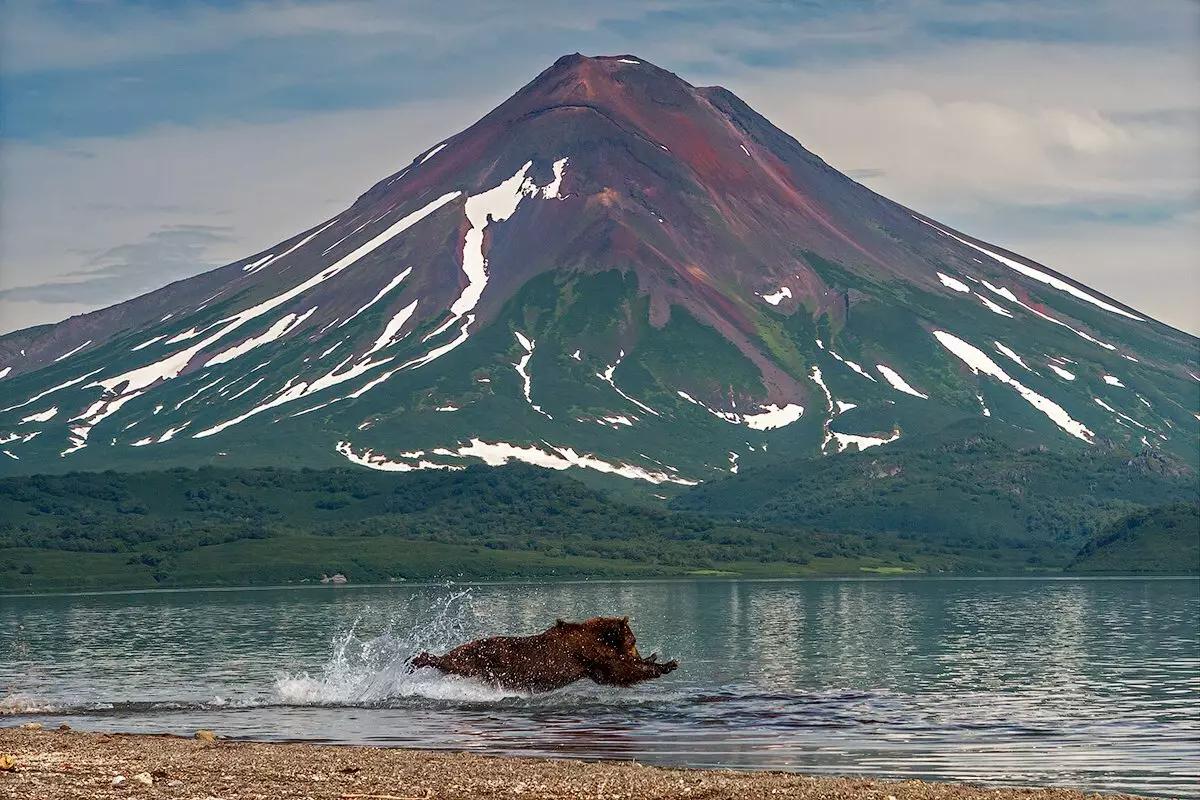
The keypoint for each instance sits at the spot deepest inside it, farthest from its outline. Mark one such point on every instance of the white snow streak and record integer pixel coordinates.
(369, 458)
(978, 362)
(1012, 355)
(1112, 380)
(522, 368)
(44, 416)
(391, 331)
(898, 383)
(857, 368)
(171, 366)
(256, 265)
(379, 295)
(170, 434)
(72, 352)
(769, 418)
(994, 307)
(51, 390)
(432, 153)
(1038, 275)
(494, 205)
(1008, 295)
(607, 377)
(146, 344)
(281, 328)
(498, 453)
(1062, 373)
(953, 283)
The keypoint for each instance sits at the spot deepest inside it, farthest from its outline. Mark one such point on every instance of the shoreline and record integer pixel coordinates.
(1048, 575)
(53, 764)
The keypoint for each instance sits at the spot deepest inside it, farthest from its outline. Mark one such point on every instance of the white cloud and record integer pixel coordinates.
(72, 213)
(983, 134)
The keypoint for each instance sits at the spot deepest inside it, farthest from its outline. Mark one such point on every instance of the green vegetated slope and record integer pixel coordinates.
(237, 527)
(1164, 540)
(975, 490)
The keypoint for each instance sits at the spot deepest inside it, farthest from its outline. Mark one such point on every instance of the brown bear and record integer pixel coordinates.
(602, 648)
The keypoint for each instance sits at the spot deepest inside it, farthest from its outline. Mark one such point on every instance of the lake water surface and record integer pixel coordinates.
(1093, 684)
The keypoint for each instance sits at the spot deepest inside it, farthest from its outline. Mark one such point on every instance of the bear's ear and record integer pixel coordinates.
(560, 622)
(625, 621)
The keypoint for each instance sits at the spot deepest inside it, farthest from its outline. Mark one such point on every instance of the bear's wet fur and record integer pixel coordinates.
(603, 649)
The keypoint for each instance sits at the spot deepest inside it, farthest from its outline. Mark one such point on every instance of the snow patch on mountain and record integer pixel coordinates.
(607, 377)
(768, 418)
(70, 353)
(1007, 351)
(391, 331)
(494, 205)
(392, 284)
(992, 306)
(432, 153)
(1012, 298)
(148, 342)
(1062, 373)
(897, 382)
(522, 368)
(844, 440)
(1038, 275)
(978, 362)
(776, 297)
(44, 416)
(953, 283)
(282, 327)
(498, 453)
(854, 366)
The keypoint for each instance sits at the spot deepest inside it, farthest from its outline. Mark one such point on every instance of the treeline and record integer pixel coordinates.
(977, 491)
(171, 527)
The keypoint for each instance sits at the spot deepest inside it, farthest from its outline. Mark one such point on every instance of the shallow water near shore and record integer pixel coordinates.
(1091, 684)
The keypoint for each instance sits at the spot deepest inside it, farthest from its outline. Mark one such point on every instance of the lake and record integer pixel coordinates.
(1085, 683)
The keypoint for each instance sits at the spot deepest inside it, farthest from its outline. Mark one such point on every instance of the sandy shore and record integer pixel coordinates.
(53, 764)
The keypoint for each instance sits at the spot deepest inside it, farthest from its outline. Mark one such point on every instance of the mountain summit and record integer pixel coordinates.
(613, 270)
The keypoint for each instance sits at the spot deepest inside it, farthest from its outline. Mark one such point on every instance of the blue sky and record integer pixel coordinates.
(148, 141)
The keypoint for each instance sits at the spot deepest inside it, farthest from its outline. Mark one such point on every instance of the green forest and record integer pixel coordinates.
(974, 506)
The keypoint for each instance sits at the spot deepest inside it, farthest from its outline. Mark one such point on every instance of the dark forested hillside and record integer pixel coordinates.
(235, 526)
(1163, 540)
(971, 490)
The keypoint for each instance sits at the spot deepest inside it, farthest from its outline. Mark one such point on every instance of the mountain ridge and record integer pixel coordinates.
(612, 270)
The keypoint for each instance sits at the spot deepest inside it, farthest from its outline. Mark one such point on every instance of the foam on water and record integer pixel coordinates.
(373, 670)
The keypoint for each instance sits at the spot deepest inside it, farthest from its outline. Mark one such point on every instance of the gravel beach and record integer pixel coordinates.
(52, 764)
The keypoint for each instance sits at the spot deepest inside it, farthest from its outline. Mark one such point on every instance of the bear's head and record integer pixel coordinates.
(615, 632)
(612, 632)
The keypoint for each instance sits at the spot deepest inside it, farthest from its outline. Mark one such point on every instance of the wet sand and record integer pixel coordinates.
(51, 764)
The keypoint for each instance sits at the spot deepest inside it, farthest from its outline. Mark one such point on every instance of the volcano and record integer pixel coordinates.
(614, 271)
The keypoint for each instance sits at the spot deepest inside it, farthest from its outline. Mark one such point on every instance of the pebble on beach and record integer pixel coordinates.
(92, 766)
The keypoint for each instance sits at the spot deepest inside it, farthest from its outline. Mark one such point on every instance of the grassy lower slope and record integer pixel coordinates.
(1163, 540)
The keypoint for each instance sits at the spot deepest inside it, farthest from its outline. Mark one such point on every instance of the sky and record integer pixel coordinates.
(144, 142)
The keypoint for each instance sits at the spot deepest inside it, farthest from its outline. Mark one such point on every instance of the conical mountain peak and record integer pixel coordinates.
(612, 270)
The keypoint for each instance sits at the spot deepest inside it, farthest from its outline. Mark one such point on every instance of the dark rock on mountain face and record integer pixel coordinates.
(613, 270)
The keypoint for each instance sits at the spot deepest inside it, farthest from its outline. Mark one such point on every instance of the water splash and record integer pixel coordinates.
(368, 668)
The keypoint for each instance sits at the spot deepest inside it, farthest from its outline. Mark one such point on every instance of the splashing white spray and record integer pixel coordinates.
(373, 670)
